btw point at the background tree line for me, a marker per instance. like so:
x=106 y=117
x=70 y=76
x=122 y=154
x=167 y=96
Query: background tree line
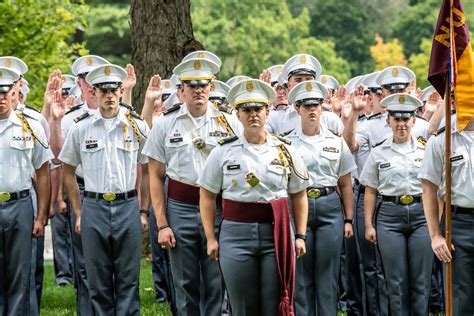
x=349 y=37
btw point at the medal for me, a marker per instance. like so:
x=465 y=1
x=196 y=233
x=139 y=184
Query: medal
x=199 y=143
x=252 y=179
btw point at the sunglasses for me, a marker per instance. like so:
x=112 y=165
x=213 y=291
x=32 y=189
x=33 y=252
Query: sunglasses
x=404 y=119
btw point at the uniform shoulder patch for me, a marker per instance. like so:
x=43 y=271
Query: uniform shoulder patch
x=374 y=116
x=227 y=140
x=441 y=130
x=29 y=116
x=421 y=140
x=31 y=108
x=287 y=133
x=74 y=108
x=81 y=117
x=379 y=143
x=172 y=109
x=283 y=140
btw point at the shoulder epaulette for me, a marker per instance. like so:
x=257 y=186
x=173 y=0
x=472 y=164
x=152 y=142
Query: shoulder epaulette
x=361 y=117
x=441 y=130
x=81 y=117
x=227 y=140
x=283 y=140
x=421 y=140
x=136 y=115
x=379 y=143
x=129 y=107
x=225 y=110
x=337 y=134
x=374 y=116
x=287 y=133
x=31 y=108
x=172 y=109
x=420 y=117
x=29 y=116
x=74 y=108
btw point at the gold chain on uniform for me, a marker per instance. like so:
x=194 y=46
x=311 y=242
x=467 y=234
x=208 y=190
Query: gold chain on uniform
x=284 y=152
x=27 y=127
x=134 y=126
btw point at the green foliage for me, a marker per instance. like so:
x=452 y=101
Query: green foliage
x=38 y=32
x=108 y=32
x=348 y=28
x=415 y=24
x=249 y=36
x=419 y=63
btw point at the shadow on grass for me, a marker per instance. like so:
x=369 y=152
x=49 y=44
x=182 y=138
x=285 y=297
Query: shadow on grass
x=59 y=301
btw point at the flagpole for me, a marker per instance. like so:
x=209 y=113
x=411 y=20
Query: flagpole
x=448 y=232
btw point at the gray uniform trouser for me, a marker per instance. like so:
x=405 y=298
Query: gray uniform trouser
x=248 y=263
x=376 y=297
x=405 y=248
x=189 y=260
x=62 y=248
x=317 y=272
x=16 y=222
x=462 y=226
x=111 y=240
x=37 y=265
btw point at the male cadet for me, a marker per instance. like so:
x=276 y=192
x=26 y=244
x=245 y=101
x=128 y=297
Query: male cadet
x=236 y=79
x=179 y=143
x=60 y=126
x=24 y=151
x=432 y=173
x=108 y=143
x=37 y=264
x=299 y=68
x=281 y=100
x=218 y=96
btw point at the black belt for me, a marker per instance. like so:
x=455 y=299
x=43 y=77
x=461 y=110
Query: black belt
x=462 y=210
x=80 y=180
x=7 y=196
x=315 y=193
x=110 y=196
x=403 y=200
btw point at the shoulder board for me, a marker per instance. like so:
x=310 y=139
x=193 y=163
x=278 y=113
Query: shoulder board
x=172 y=109
x=283 y=140
x=125 y=105
x=136 y=115
x=31 y=108
x=338 y=135
x=225 y=110
x=29 y=116
x=441 y=130
x=287 y=133
x=374 y=116
x=81 y=117
x=379 y=143
x=421 y=117
x=74 y=108
x=421 y=140
x=362 y=116
x=227 y=140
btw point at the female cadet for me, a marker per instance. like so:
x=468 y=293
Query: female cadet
x=330 y=164
x=400 y=229
x=255 y=172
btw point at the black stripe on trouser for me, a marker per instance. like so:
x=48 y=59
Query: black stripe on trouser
x=220 y=269
x=379 y=205
x=355 y=229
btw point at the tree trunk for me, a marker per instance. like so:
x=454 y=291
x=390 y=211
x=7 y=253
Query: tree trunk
x=162 y=34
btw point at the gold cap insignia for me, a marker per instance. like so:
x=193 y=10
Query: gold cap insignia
x=167 y=84
x=107 y=70
x=309 y=86
x=8 y=62
x=197 y=65
x=200 y=55
x=89 y=61
x=280 y=69
x=401 y=99
x=324 y=79
x=213 y=85
x=1 y=73
x=303 y=59
x=394 y=72
x=249 y=85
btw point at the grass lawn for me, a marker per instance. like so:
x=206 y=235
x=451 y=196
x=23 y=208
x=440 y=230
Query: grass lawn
x=59 y=301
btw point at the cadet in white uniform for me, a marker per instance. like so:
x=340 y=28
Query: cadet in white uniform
x=180 y=142
x=255 y=172
x=301 y=67
x=398 y=225
x=108 y=143
x=432 y=173
x=24 y=150
x=330 y=164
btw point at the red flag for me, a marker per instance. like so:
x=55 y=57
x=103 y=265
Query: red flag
x=457 y=56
